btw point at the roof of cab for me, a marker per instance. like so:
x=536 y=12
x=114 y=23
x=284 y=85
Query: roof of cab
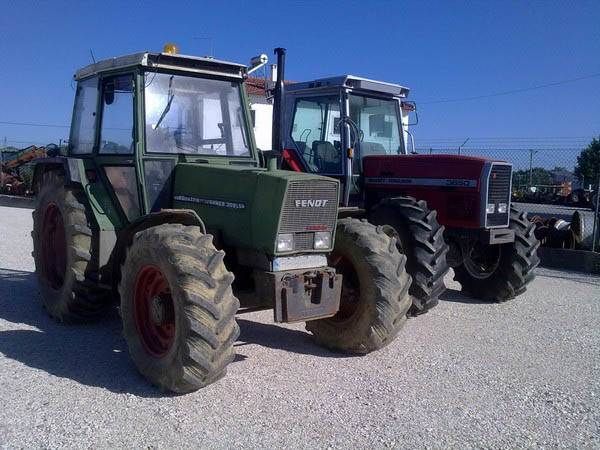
x=353 y=82
x=195 y=64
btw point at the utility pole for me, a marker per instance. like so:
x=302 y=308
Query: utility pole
x=462 y=145
x=2 y=152
x=531 y=153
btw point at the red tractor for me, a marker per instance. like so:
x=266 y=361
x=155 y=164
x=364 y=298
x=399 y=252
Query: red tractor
x=445 y=210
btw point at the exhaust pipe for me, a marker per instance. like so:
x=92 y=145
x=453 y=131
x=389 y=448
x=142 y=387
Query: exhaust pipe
x=278 y=93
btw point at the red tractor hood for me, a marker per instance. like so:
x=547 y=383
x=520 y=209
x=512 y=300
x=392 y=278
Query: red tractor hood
x=456 y=186
x=441 y=167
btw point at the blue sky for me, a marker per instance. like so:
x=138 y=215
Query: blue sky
x=441 y=50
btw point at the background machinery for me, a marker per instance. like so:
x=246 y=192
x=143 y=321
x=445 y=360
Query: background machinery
x=11 y=180
x=163 y=203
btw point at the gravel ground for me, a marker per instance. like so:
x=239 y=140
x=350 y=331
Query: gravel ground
x=467 y=374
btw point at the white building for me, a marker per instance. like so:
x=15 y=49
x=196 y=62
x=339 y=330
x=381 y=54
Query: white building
x=262 y=112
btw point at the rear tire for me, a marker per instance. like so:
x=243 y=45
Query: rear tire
x=513 y=270
x=375 y=295
x=65 y=263
x=421 y=238
x=178 y=308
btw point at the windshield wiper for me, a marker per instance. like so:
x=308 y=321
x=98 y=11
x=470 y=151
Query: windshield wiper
x=171 y=96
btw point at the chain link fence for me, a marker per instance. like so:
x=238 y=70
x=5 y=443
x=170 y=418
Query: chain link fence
x=544 y=184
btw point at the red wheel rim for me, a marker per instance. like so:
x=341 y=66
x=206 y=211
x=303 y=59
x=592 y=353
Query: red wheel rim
x=54 y=247
x=154 y=311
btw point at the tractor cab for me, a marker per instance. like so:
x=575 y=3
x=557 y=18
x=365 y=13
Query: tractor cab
x=333 y=123
x=140 y=115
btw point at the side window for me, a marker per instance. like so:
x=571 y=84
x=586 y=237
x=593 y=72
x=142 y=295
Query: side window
x=84 y=117
x=379 y=124
x=316 y=133
x=116 y=133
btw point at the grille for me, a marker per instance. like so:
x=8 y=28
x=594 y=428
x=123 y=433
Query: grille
x=499 y=192
x=300 y=219
x=303 y=241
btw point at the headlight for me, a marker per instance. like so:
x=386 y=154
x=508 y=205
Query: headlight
x=502 y=207
x=285 y=242
x=490 y=208
x=322 y=240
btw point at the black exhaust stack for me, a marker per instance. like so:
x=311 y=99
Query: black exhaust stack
x=277 y=142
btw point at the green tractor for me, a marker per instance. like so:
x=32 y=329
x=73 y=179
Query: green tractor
x=163 y=204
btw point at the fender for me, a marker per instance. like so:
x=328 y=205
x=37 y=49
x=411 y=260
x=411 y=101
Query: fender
x=125 y=236
x=71 y=168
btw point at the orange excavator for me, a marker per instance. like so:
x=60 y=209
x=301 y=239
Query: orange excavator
x=11 y=181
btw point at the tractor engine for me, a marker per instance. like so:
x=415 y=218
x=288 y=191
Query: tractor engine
x=467 y=192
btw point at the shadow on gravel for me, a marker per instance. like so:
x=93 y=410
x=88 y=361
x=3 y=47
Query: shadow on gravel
x=454 y=296
x=96 y=354
x=592 y=280
x=280 y=338
x=92 y=354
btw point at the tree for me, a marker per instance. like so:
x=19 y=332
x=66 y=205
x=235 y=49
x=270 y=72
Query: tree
x=588 y=163
x=539 y=175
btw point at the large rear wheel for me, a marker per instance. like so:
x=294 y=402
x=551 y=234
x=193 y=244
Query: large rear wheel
x=65 y=263
x=375 y=287
x=178 y=308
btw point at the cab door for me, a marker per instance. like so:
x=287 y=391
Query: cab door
x=319 y=135
x=116 y=142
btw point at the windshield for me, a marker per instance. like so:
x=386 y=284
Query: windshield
x=378 y=125
x=196 y=116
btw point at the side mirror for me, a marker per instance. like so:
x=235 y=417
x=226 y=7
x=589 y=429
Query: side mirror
x=407 y=108
x=257 y=62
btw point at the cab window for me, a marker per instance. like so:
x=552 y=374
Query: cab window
x=84 y=117
x=378 y=124
x=194 y=116
x=316 y=133
x=116 y=134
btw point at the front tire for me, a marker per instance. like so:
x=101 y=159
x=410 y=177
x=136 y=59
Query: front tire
x=178 y=308
x=421 y=238
x=375 y=296
x=501 y=272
